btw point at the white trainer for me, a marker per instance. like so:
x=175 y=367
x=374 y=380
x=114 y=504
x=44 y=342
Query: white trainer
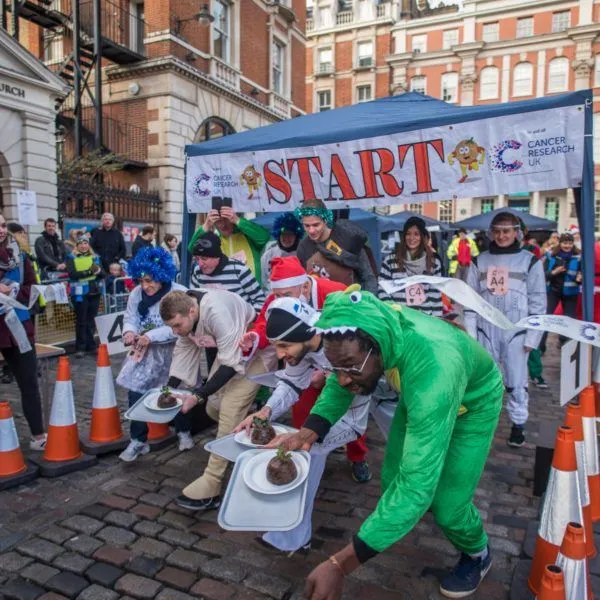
x=135 y=449
x=186 y=441
x=38 y=445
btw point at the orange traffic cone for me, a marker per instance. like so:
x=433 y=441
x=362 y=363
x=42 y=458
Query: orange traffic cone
x=573 y=420
x=573 y=562
x=105 y=433
x=590 y=437
x=553 y=584
x=562 y=505
x=13 y=468
x=160 y=435
x=62 y=453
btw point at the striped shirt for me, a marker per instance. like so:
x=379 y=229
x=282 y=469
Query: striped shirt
x=233 y=276
x=432 y=304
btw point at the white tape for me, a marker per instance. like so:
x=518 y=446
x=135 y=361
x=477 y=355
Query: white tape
x=63 y=405
x=8 y=435
x=582 y=331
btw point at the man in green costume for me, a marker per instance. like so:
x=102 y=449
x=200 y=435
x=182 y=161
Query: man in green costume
x=450 y=400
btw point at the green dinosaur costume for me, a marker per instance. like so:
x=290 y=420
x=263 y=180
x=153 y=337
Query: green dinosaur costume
x=450 y=401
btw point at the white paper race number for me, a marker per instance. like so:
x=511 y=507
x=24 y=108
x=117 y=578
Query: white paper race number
x=575 y=369
x=110 y=332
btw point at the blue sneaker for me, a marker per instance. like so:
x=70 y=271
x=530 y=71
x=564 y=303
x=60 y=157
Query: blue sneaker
x=466 y=577
x=361 y=472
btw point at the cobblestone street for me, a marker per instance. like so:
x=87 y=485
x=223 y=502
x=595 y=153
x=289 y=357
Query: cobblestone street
x=112 y=531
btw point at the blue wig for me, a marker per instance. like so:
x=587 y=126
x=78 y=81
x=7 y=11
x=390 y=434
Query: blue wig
x=156 y=262
x=287 y=222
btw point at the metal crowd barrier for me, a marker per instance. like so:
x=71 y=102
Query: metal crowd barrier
x=117 y=301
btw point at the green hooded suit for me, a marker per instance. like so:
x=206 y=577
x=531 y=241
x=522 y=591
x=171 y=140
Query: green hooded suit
x=450 y=401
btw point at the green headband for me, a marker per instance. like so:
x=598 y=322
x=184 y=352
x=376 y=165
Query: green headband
x=321 y=213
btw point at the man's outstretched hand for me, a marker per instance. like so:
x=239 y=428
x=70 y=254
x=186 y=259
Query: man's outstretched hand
x=299 y=440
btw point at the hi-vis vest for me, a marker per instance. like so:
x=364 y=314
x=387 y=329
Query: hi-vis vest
x=81 y=287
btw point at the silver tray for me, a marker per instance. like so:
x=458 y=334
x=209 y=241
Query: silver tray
x=227 y=448
x=243 y=509
x=139 y=412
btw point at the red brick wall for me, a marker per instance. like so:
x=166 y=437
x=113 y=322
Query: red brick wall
x=298 y=73
x=382 y=49
x=343 y=92
x=343 y=56
x=309 y=98
x=255 y=51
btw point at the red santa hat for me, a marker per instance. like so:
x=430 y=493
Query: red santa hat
x=287 y=272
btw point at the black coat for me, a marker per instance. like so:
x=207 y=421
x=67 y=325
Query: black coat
x=50 y=255
x=109 y=245
x=138 y=244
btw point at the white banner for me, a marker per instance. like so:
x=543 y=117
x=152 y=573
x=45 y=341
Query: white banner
x=529 y=152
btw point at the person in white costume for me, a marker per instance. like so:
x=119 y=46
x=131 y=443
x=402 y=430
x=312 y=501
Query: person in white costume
x=290 y=329
x=512 y=280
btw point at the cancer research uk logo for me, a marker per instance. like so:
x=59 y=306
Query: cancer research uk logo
x=502 y=164
x=202 y=185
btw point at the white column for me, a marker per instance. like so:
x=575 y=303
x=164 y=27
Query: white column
x=586 y=9
x=534 y=207
x=541 y=74
x=505 y=86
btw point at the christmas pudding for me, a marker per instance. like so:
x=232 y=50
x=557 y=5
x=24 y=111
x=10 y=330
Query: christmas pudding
x=281 y=469
x=262 y=432
x=166 y=399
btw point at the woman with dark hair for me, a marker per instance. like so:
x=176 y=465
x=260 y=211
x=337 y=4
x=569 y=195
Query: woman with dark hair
x=170 y=245
x=414 y=256
x=17 y=343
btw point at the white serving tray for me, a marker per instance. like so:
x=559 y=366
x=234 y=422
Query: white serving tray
x=140 y=412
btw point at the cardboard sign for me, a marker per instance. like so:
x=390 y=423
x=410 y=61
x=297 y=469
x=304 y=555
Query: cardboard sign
x=575 y=369
x=497 y=280
x=110 y=332
x=415 y=295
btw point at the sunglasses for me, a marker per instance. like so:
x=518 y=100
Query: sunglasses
x=351 y=370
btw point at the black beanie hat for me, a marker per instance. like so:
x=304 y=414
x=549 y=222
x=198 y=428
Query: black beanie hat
x=209 y=245
x=290 y=320
x=418 y=223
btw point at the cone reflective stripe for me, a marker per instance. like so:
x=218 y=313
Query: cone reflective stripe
x=573 y=562
x=11 y=457
x=106 y=422
x=562 y=505
x=587 y=401
x=63 y=437
x=553 y=584
x=573 y=420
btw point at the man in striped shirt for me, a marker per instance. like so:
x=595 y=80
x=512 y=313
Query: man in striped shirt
x=215 y=270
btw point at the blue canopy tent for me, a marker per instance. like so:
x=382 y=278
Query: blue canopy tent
x=367 y=220
x=390 y=117
x=482 y=222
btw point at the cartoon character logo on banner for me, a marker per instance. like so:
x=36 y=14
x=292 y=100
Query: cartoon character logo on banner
x=251 y=178
x=201 y=187
x=498 y=162
x=469 y=155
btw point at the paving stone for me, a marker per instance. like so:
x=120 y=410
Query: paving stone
x=19 y=589
x=186 y=559
x=40 y=549
x=38 y=573
x=226 y=569
x=151 y=547
x=84 y=544
x=83 y=524
x=144 y=565
x=503 y=545
x=103 y=574
x=70 y=561
x=153 y=499
x=52 y=596
x=97 y=592
x=169 y=594
x=97 y=511
x=176 y=578
x=67 y=583
x=146 y=511
x=8 y=541
x=13 y=562
x=113 y=555
x=129 y=491
x=57 y=534
x=254 y=558
x=173 y=519
x=212 y=589
x=215 y=547
x=138 y=587
x=121 y=518
x=274 y=587
x=117 y=536
x=148 y=528
x=176 y=537
x=117 y=502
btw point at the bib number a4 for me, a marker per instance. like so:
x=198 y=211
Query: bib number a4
x=497 y=280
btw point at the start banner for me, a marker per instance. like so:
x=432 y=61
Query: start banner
x=532 y=151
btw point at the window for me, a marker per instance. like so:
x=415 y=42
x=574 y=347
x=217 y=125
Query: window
x=363 y=93
x=365 y=54
x=487 y=205
x=418 y=84
x=558 y=74
x=525 y=27
x=489 y=80
x=520 y=204
x=523 y=79
x=551 y=209
x=419 y=44
x=446 y=211
x=325 y=19
x=325 y=57
x=324 y=100
x=491 y=32
x=53 y=48
x=417 y=208
x=572 y=211
x=365 y=10
x=450 y=38
x=278 y=61
x=221 y=35
x=213 y=128
x=597 y=71
x=136 y=26
x=561 y=21
x=450 y=87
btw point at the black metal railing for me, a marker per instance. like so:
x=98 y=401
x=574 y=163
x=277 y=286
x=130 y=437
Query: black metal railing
x=82 y=199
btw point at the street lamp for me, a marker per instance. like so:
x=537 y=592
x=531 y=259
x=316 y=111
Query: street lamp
x=204 y=17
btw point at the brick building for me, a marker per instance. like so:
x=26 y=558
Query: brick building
x=484 y=51
x=173 y=73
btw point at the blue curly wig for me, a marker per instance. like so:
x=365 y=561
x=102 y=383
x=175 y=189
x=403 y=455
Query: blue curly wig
x=156 y=262
x=287 y=222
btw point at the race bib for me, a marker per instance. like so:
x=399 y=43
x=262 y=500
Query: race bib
x=241 y=256
x=415 y=295
x=497 y=280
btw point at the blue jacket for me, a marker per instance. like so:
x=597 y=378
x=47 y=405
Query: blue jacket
x=564 y=283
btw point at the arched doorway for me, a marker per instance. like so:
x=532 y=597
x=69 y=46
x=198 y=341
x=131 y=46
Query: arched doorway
x=212 y=129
